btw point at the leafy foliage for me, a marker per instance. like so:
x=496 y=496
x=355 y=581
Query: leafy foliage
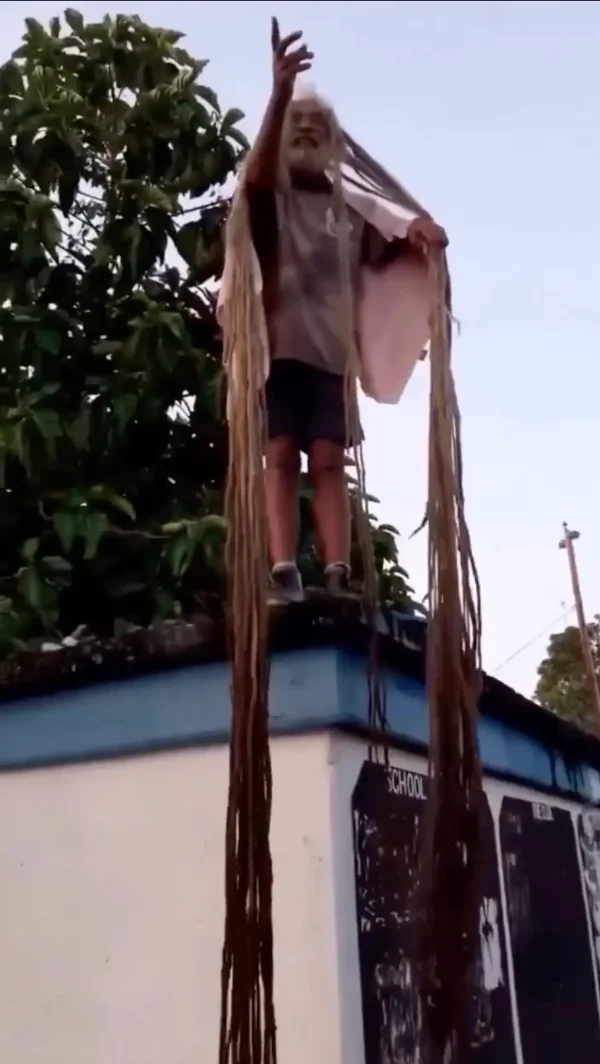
x=114 y=157
x=562 y=685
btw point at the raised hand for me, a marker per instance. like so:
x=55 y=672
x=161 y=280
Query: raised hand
x=288 y=64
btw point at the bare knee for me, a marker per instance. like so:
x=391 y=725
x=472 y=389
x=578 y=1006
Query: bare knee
x=326 y=463
x=283 y=457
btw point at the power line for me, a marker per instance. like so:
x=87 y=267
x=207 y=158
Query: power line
x=563 y=616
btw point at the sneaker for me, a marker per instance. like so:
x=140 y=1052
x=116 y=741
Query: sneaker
x=337 y=581
x=286 y=585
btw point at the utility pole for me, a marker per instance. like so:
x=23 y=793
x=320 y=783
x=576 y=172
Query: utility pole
x=567 y=544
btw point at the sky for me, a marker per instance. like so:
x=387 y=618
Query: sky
x=489 y=112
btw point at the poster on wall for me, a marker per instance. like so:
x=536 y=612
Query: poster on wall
x=550 y=941
x=387 y=806
x=588 y=831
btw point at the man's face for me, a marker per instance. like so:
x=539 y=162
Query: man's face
x=309 y=146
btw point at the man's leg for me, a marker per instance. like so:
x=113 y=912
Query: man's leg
x=326 y=432
x=282 y=483
x=285 y=408
x=331 y=503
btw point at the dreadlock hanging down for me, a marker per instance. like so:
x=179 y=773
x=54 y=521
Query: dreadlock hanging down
x=449 y=906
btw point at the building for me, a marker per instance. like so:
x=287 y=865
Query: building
x=113 y=784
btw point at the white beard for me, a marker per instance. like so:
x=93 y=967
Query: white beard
x=311 y=160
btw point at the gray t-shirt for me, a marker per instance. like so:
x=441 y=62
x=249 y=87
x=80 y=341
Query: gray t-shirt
x=300 y=257
x=308 y=322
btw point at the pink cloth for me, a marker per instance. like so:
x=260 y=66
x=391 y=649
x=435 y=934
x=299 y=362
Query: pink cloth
x=393 y=309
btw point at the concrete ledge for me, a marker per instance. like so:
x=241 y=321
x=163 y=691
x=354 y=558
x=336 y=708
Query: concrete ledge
x=312 y=689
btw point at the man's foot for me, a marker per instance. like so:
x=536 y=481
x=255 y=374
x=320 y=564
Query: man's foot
x=337 y=581
x=286 y=585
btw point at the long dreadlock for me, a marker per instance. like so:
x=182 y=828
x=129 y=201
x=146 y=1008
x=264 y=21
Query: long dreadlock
x=247 y=1032
x=449 y=900
x=449 y=880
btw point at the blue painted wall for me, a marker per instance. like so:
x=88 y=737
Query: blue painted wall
x=310 y=689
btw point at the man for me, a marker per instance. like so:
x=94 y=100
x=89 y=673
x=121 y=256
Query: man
x=304 y=251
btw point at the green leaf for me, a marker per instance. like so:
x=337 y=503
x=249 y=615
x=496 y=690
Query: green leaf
x=68 y=185
x=74 y=21
x=152 y=196
x=135 y=236
x=47 y=340
x=106 y=347
x=104 y=493
x=239 y=138
x=50 y=230
x=65 y=524
x=11 y=80
x=389 y=528
x=191 y=243
x=56 y=564
x=165 y=606
x=79 y=429
x=230 y=119
x=48 y=424
x=30 y=587
x=36 y=31
x=118 y=587
x=208 y=95
x=174 y=323
x=30 y=548
x=94 y=526
x=17 y=443
x=397 y=570
x=33 y=588
x=179 y=555
x=51 y=388
x=207 y=524
x=124 y=407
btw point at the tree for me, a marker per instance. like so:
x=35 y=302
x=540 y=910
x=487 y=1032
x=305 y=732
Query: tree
x=114 y=159
x=562 y=685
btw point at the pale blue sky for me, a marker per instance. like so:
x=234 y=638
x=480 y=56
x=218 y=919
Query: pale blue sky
x=490 y=113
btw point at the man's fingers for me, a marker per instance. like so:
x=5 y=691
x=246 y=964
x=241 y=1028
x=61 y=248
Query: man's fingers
x=275 y=34
x=302 y=55
x=291 y=70
x=286 y=43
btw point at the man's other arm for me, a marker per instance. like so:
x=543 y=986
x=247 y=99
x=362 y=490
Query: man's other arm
x=423 y=233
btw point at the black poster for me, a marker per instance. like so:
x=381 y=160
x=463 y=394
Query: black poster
x=387 y=805
x=589 y=845
x=556 y=995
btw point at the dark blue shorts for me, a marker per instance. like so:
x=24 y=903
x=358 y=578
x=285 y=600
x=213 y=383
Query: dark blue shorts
x=306 y=403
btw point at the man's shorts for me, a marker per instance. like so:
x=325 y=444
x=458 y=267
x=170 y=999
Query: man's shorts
x=305 y=403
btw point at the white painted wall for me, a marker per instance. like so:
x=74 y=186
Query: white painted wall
x=111 y=895
x=111 y=902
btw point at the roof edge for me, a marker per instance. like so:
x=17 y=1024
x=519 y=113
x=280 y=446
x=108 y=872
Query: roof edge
x=319 y=622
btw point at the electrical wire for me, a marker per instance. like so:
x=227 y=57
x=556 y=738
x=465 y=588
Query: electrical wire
x=563 y=616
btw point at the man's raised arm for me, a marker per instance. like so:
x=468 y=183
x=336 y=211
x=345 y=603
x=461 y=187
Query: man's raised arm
x=263 y=159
